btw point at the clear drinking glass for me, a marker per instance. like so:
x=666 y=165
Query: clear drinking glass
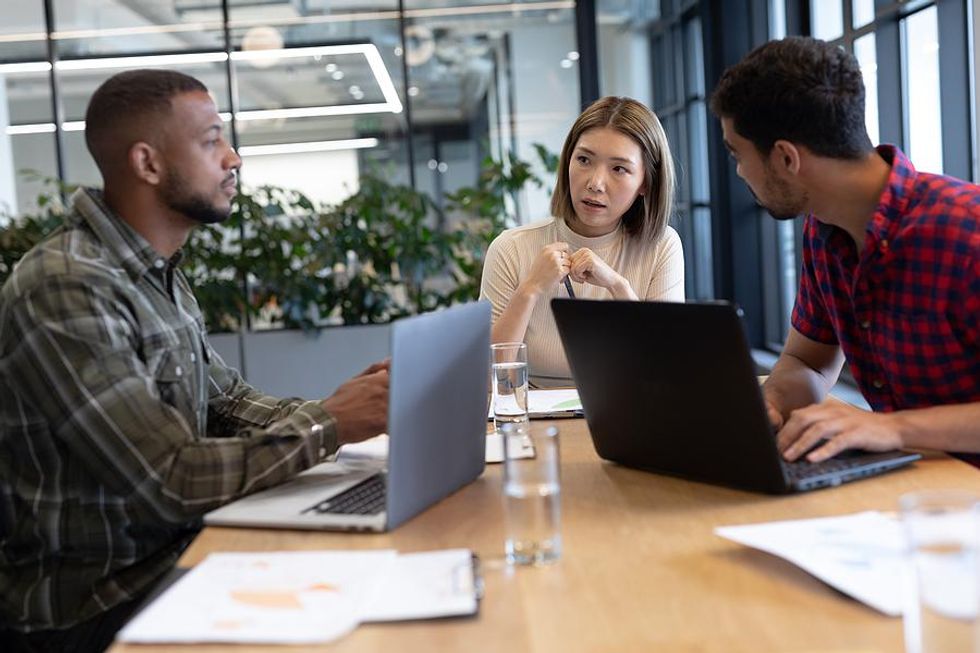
x=532 y=495
x=509 y=384
x=941 y=533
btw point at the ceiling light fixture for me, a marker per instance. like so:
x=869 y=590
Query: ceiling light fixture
x=310 y=146
x=391 y=104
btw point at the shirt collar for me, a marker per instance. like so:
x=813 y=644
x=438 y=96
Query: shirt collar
x=135 y=254
x=893 y=200
x=577 y=241
x=896 y=195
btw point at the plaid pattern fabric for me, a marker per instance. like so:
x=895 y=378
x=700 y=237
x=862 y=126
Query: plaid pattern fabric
x=906 y=310
x=119 y=425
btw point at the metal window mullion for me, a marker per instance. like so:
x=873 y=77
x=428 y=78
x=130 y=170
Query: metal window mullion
x=57 y=109
x=954 y=85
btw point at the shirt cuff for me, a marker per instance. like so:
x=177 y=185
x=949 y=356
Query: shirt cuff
x=322 y=432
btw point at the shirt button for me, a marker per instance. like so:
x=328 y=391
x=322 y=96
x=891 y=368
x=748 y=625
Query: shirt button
x=193 y=357
x=878 y=384
x=866 y=324
x=158 y=264
x=179 y=371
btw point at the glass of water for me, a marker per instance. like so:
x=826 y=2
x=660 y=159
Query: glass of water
x=509 y=384
x=532 y=495
x=943 y=582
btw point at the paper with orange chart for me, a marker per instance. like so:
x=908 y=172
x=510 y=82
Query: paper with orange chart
x=283 y=597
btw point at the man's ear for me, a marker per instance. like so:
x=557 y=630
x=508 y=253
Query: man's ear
x=786 y=157
x=145 y=162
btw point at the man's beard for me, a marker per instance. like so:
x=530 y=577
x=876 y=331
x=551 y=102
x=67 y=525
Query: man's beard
x=787 y=208
x=178 y=198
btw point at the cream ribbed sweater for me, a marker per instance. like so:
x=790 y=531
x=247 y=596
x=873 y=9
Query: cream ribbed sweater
x=655 y=270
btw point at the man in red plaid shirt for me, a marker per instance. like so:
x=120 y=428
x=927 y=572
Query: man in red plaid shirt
x=891 y=260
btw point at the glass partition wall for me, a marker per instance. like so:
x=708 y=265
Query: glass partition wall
x=314 y=92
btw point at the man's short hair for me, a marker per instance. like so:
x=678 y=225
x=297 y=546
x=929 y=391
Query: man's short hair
x=124 y=103
x=799 y=89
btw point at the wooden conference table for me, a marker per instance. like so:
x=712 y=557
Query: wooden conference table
x=641 y=571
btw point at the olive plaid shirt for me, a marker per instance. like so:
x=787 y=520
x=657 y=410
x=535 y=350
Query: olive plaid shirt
x=119 y=425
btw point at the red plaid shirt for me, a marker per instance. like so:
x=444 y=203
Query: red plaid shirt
x=906 y=310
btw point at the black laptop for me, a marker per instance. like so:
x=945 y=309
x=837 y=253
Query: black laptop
x=671 y=388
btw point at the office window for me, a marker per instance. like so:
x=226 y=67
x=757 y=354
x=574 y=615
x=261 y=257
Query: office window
x=914 y=59
x=924 y=133
x=488 y=79
x=827 y=19
x=862 y=12
x=679 y=99
x=27 y=138
x=864 y=51
x=315 y=96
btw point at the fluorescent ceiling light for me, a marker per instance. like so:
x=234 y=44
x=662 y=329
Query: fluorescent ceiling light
x=488 y=9
x=367 y=50
x=39 y=128
x=391 y=104
x=315 y=112
x=141 y=62
x=23 y=37
x=45 y=128
x=28 y=67
x=63 y=35
x=311 y=146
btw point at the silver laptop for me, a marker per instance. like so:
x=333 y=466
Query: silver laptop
x=440 y=369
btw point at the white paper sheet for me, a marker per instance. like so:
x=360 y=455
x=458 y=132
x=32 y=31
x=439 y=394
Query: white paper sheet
x=557 y=401
x=302 y=597
x=377 y=449
x=554 y=402
x=268 y=598
x=859 y=554
x=495 y=448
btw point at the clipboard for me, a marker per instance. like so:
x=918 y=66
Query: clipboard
x=427 y=585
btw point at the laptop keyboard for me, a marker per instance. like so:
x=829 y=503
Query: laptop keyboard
x=365 y=498
x=803 y=469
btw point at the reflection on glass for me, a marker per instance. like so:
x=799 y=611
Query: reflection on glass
x=786 y=233
x=489 y=79
x=862 y=12
x=85 y=28
x=704 y=287
x=827 y=19
x=694 y=58
x=22 y=31
x=777 y=19
x=25 y=97
x=624 y=46
x=698 y=172
x=864 y=52
x=921 y=63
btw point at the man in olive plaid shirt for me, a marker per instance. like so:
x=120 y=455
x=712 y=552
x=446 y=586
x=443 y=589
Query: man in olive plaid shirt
x=119 y=425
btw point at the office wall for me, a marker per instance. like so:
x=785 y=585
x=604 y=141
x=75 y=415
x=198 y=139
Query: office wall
x=296 y=364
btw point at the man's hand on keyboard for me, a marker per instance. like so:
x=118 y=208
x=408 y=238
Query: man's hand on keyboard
x=843 y=427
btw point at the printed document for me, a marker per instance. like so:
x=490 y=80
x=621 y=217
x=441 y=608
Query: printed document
x=305 y=596
x=861 y=554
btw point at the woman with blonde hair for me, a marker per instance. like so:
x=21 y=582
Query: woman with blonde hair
x=608 y=236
